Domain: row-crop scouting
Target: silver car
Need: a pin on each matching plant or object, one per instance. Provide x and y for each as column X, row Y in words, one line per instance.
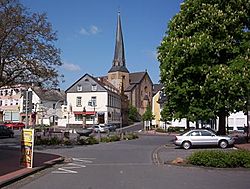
column 199, row 137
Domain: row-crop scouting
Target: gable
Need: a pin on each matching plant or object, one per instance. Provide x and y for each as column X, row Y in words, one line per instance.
column 85, row 83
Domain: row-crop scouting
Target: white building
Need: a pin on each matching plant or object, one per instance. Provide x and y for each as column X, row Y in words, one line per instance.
column 94, row 99
column 43, row 106
column 235, row 121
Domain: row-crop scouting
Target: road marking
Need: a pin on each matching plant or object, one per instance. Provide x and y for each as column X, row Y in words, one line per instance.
column 78, row 163
column 63, row 170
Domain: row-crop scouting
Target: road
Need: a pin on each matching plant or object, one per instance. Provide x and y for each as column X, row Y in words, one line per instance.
column 130, row 165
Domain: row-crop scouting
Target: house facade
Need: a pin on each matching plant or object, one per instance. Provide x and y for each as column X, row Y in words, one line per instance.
column 93, row 101
column 10, row 100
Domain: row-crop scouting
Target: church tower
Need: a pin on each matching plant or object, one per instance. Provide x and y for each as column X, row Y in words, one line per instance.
column 118, row 75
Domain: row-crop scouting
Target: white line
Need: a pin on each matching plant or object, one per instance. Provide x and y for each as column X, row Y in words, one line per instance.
column 76, row 165
column 62, row 170
column 82, row 160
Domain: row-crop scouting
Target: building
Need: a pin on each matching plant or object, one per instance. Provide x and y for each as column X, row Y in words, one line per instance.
column 138, row 85
column 156, row 107
column 10, row 100
column 44, row 106
column 93, row 101
column 235, row 121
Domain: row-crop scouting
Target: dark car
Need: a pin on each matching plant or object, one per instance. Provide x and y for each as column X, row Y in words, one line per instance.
column 15, row 125
column 110, row 127
column 6, row 132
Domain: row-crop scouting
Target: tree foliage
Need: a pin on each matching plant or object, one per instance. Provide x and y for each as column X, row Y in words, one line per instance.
column 148, row 115
column 132, row 113
column 27, row 51
column 205, row 60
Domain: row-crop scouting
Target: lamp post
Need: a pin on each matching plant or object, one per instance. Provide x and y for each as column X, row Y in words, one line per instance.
column 84, row 117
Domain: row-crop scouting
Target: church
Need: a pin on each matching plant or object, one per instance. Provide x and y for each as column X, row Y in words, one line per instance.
column 137, row 86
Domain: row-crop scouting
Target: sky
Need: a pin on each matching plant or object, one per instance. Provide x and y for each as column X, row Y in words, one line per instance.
column 86, row 33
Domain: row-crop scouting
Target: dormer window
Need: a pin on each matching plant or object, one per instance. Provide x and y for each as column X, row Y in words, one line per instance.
column 94, row 87
column 79, row 88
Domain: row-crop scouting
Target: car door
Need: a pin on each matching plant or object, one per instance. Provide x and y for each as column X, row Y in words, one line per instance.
column 194, row 137
column 208, row 138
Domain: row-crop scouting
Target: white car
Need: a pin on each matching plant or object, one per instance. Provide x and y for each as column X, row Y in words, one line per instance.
column 99, row 128
column 200, row 137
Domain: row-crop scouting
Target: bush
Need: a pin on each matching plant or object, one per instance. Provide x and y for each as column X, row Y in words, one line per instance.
column 87, row 140
column 176, row 129
column 160, row 130
column 221, row 159
column 130, row 136
column 112, row 138
column 48, row 141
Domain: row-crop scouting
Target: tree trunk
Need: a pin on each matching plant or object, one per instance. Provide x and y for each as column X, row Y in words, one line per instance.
column 188, row 126
column 197, row 124
column 222, row 124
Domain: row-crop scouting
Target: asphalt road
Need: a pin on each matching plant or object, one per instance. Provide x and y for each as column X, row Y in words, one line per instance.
column 129, row 165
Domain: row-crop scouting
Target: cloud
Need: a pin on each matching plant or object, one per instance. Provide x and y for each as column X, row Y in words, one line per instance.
column 71, row 67
column 92, row 30
column 83, row 31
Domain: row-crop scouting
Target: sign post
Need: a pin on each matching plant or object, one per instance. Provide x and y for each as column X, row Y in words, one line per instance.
column 27, row 145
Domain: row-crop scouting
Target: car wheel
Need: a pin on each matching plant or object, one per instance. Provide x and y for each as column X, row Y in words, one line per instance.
column 223, row 143
column 186, row 145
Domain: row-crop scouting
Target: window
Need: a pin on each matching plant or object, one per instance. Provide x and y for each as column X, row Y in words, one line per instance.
column 93, row 100
column 1, row 102
column 94, row 87
column 78, row 101
column 194, row 133
column 205, row 133
column 79, row 88
column 78, row 117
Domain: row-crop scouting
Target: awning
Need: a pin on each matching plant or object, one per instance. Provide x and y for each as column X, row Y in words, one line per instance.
column 86, row 113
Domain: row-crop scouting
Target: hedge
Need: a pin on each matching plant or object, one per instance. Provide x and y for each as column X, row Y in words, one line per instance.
column 220, row 159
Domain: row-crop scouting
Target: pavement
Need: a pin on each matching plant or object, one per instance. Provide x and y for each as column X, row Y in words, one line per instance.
column 10, row 169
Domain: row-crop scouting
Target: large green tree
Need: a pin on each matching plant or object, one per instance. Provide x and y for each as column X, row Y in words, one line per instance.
column 27, row 51
column 205, row 60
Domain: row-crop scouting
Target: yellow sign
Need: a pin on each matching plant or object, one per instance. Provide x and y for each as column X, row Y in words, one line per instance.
column 27, row 144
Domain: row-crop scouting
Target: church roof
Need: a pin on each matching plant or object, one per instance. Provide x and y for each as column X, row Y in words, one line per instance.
column 136, row 77
column 119, row 55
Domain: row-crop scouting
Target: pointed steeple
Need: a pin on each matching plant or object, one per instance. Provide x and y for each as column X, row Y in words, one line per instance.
column 119, row 56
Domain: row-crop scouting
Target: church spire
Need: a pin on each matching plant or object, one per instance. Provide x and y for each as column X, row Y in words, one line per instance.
column 119, row 56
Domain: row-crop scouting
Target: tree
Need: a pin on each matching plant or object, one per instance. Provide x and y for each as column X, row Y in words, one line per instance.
column 27, row 51
column 132, row 113
column 205, row 60
column 148, row 115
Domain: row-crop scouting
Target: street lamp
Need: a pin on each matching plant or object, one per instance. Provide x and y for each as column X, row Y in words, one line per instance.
column 84, row 117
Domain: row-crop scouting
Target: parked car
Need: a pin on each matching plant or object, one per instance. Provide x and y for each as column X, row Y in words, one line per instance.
column 110, row 127
column 202, row 137
column 99, row 128
column 6, row 132
column 15, row 125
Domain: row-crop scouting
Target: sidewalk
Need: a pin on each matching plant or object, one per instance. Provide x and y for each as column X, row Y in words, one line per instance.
column 10, row 170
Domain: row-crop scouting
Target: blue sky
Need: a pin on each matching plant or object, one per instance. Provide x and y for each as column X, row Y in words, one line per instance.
column 86, row 33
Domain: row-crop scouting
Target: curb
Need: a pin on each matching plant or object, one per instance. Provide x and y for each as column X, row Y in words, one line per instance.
column 22, row 173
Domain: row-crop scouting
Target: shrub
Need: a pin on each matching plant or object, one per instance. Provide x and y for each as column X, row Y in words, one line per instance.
column 176, row 129
column 221, row 159
column 160, row 130
column 87, row 140
column 130, row 136
column 112, row 138
column 48, row 141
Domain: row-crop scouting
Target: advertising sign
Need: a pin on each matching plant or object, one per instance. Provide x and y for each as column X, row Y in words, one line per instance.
column 27, row 144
